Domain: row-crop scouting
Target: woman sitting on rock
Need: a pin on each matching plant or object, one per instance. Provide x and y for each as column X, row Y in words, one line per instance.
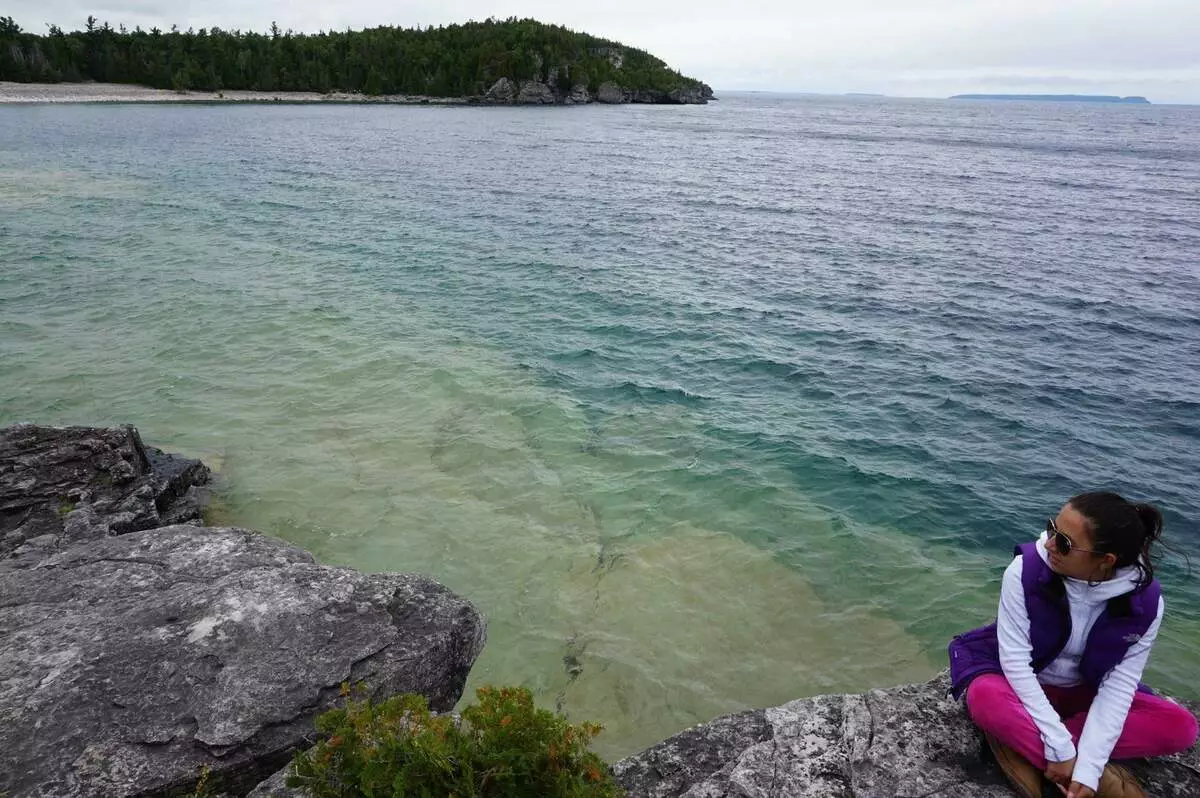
column 1055, row 682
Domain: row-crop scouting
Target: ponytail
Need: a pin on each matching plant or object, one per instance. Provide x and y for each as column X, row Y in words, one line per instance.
column 1152, row 523
column 1122, row 528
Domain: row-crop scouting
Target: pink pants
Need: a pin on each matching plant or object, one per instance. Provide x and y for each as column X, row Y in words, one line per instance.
column 1154, row 726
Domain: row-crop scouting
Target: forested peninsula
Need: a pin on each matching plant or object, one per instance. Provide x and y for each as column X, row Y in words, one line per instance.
column 495, row 61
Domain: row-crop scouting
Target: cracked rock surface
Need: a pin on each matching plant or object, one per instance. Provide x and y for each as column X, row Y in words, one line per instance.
column 130, row 661
column 912, row 741
column 64, row 485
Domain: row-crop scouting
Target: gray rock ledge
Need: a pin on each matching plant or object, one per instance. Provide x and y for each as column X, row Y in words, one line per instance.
column 64, row 485
column 129, row 660
column 912, row 741
column 531, row 92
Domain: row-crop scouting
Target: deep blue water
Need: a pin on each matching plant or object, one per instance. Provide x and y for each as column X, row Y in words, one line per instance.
column 730, row 404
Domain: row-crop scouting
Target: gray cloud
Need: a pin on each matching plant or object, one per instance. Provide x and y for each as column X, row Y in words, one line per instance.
column 926, row 47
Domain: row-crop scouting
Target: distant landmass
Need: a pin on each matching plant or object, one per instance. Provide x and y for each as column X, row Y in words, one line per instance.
column 509, row 61
column 1062, row 98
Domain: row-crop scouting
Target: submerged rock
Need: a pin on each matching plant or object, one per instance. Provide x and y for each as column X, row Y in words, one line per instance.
column 63, row 485
column 913, row 741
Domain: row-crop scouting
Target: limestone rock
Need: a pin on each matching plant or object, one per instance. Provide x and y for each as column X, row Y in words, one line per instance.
column 502, row 92
column 61, row 485
column 532, row 92
column 535, row 92
column 648, row 97
column 615, row 55
column 553, row 82
column 130, row 662
column 578, row 95
column 905, row 741
column 612, row 94
column 276, row 787
column 689, row 96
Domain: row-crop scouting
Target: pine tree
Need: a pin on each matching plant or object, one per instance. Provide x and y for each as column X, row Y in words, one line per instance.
column 449, row 61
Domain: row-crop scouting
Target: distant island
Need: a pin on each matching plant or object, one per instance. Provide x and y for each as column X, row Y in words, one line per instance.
column 1062, row 98
column 512, row 61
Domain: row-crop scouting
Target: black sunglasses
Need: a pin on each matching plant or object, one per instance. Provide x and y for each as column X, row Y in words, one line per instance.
column 1061, row 541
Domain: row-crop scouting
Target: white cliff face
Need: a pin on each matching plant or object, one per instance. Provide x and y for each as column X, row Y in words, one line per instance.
column 614, row 55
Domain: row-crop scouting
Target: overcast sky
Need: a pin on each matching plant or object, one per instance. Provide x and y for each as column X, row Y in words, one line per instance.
column 902, row 47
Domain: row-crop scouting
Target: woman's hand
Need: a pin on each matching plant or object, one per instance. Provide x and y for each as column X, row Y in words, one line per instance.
column 1077, row 790
column 1060, row 773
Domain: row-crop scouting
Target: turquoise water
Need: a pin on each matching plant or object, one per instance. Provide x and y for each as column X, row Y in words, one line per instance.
column 705, row 408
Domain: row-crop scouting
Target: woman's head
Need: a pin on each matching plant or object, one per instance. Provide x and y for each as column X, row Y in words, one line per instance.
column 1100, row 532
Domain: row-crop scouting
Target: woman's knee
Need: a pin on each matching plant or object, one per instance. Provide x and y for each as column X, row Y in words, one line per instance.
column 1169, row 727
column 986, row 694
column 1184, row 729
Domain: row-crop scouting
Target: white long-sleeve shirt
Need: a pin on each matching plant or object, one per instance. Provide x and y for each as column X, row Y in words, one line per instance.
column 1106, row 718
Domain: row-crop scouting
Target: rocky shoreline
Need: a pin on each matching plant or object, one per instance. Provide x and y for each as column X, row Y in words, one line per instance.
column 140, row 647
column 502, row 92
column 913, row 741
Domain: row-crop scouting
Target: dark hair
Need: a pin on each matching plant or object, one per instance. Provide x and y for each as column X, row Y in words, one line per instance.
column 1123, row 528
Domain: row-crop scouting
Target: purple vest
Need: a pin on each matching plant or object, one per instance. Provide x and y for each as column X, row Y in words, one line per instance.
column 1120, row 625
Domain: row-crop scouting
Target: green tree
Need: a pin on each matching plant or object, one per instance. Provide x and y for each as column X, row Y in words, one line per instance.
column 449, row 60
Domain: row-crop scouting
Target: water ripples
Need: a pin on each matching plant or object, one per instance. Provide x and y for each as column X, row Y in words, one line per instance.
column 726, row 405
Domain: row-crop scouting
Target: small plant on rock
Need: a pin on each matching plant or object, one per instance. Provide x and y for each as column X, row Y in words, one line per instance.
column 501, row 747
column 204, row 786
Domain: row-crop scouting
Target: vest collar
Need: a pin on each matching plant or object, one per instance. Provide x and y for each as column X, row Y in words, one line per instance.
column 1122, row 592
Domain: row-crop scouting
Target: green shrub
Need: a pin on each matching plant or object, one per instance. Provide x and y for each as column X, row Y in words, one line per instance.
column 502, row 747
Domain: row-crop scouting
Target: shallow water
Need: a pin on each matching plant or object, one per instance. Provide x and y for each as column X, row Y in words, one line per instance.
column 705, row 408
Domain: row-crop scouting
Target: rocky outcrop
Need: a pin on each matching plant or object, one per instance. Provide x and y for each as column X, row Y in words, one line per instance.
column 906, row 741
column 529, row 92
column 696, row 95
column 131, row 662
column 276, row 787
column 579, row 95
column 615, row 55
column 612, row 94
column 502, row 92
column 534, row 92
column 649, row 97
column 132, row 659
column 64, row 485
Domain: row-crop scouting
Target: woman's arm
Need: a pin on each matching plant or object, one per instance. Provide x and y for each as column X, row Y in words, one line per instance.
column 1106, row 718
column 1016, row 655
